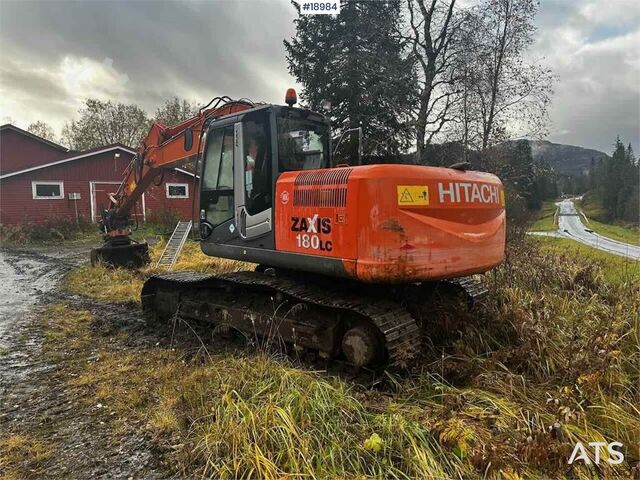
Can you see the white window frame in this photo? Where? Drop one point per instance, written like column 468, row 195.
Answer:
column 186, row 189
column 42, row 182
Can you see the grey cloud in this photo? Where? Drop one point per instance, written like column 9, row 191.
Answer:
column 201, row 49
column 30, row 81
column 195, row 50
column 592, row 50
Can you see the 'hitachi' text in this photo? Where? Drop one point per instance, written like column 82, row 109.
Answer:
column 456, row 192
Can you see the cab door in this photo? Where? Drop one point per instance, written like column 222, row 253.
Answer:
column 217, row 187
column 252, row 176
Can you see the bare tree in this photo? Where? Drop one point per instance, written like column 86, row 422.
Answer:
column 433, row 26
column 104, row 123
column 465, row 125
column 510, row 93
column 175, row 111
column 43, row 130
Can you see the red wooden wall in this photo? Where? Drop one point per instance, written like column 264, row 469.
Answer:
column 17, row 204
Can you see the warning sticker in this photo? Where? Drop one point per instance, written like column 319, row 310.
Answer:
column 413, row 195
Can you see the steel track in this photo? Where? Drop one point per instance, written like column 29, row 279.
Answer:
column 401, row 332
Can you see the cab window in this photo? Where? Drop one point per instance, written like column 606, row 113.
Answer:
column 257, row 163
column 217, row 177
column 303, row 144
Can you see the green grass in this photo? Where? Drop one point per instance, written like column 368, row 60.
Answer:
column 615, row 269
column 616, row 232
column 591, row 206
column 546, row 218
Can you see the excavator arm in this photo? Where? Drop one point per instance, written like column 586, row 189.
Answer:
column 163, row 147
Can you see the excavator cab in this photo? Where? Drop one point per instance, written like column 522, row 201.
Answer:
column 243, row 156
column 270, row 195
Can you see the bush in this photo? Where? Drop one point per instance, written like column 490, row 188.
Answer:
column 52, row 229
column 164, row 220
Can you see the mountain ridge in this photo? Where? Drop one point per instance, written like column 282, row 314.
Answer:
column 565, row 159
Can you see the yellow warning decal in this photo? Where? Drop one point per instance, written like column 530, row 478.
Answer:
column 502, row 197
column 413, row 195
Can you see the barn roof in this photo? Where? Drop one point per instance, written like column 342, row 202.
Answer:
column 9, row 126
column 81, row 155
column 73, row 158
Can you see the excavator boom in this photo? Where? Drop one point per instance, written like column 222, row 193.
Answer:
column 163, row 147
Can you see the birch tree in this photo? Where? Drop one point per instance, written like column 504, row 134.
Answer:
column 42, row 130
column 511, row 93
column 432, row 30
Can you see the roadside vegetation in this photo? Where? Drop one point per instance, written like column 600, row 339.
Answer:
column 547, row 220
column 615, row 270
column 616, row 232
column 591, row 205
column 53, row 230
column 551, row 358
column 59, row 229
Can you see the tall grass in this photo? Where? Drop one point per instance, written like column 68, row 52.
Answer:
column 551, row 357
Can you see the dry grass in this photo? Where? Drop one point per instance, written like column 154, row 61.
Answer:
column 107, row 284
column 121, row 285
column 552, row 359
column 22, row 456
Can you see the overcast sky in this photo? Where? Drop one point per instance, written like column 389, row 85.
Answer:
column 55, row 54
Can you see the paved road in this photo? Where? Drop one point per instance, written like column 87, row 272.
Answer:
column 571, row 225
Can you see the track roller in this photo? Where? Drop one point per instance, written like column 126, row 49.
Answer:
column 361, row 345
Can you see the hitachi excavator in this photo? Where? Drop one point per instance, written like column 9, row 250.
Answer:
column 348, row 256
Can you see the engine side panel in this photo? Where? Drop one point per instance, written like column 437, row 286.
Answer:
column 393, row 223
column 420, row 223
column 316, row 214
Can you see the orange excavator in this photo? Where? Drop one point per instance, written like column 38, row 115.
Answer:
column 348, row 256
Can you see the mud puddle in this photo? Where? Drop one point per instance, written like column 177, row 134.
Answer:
column 24, row 278
column 33, row 398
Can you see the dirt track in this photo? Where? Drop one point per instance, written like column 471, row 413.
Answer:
column 34, row 400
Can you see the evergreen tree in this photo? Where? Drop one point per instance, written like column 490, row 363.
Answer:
column 617, row 179
column 612, row 173
column 628, row 194
column 356, row 62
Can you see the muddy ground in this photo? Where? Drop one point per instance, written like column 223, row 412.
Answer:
column 34, row 399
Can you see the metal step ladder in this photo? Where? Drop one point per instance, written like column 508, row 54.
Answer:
column 174, row 245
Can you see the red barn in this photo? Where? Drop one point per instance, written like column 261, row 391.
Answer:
column 40, row 180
